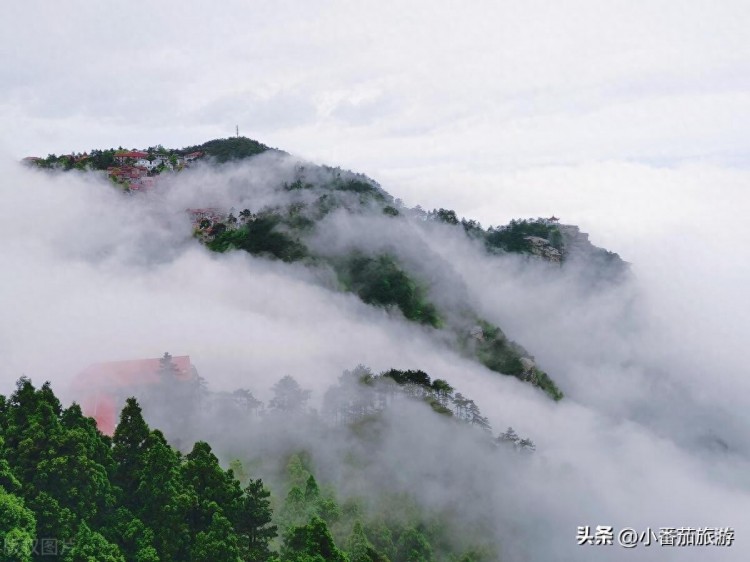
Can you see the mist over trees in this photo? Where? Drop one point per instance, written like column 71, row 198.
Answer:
column 308, row 207
column 133, row 496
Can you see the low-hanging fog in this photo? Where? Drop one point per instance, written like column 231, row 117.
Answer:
column 653, row 430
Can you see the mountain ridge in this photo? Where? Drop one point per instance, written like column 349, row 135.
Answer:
column 319, row 206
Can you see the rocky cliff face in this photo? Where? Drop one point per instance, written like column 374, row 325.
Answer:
column 543, row 248
column 578, row 249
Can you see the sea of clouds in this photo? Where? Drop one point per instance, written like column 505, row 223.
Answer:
column 653, row 431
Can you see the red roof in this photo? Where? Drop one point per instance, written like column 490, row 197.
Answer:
column 102, row 407
column 96, row 387
column 119, row 374
column 132, row 172
column 131, row 154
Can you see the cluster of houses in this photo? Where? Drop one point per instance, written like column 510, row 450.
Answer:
column 134, row 169
column 153, row 161
column 137, row 169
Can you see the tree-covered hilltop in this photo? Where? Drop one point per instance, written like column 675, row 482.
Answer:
column 66, row 489
column 519, row 235
column 232, row 148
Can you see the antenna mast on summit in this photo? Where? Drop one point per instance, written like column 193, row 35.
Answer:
column 237, row 129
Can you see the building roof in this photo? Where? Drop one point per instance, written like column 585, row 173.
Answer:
column 120, row 374
column 97, row 385
column 130, row 154
column 127, row 171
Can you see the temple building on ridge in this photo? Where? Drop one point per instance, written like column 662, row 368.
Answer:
column 102, row 388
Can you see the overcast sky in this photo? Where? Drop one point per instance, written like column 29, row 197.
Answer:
column 440, row 101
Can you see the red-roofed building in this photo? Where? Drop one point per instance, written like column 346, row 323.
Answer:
column 127, row 173
column 122, row 156
column 211, row 213
column 102, row 388
column 193, row 156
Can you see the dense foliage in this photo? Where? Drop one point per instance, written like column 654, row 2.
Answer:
column 496, row 352
column 261, row 236
column 131, row 497
column 512, row 238
column 134, row 497
column 381, row 281
column 232, row 148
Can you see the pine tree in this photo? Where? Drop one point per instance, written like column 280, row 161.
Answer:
column 130, row 445
column 312, row 491
column 162, row 501
column 246, row 401
column 296, row 471
column 359, row 548
column 288, row 396
column 381, row 536
column 253, row 523
column 167, row 368
column 476, row 418
column 443, row 390
column 510, row 436
column 413, row 547
column 311, row 541
column 217, row 543
column 294, row 510
column 203, row 472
